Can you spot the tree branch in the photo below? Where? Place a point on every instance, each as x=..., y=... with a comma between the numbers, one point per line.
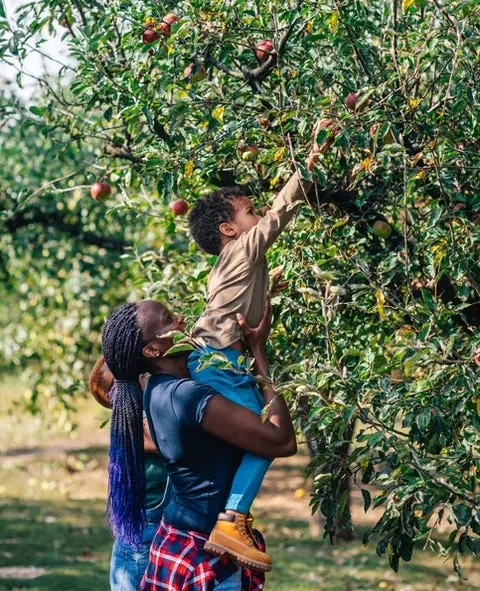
x=121, y=152
x=55, y=220
x=263, y=70
x=255, y=76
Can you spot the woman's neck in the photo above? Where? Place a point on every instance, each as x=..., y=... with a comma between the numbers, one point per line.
x=172, y=366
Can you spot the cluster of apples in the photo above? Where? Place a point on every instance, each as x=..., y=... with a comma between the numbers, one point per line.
x=356, y=103
x=154, y=30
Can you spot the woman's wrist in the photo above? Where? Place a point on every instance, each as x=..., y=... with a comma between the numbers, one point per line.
x=261, y=360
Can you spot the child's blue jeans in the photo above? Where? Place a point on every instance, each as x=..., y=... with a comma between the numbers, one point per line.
x=242, y=389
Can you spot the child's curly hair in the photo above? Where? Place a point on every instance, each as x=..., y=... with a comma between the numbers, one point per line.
x=208, y=213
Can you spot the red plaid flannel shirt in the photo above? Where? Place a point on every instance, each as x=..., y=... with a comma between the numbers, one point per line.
x=177, y=562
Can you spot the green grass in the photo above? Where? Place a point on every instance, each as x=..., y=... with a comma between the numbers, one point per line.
x=52, y=522
x=66, y=539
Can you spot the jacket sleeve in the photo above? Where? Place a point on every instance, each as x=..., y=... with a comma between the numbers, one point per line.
x=258, y=239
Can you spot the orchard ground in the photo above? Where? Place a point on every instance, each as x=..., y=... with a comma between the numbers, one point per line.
x=53, y=534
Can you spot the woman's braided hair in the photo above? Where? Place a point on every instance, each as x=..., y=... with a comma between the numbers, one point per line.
x=122, y=343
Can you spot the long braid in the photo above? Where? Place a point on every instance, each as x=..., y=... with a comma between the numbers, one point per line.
x=122, y=346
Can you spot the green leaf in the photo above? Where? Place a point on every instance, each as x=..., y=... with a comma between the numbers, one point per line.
x=40, y=111
x=368, y=473
x=327, y=507
x=180, y=348
x=457, y=568
x=462, y=513
x=367, y=499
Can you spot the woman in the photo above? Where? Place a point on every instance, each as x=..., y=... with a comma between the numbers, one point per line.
x=200, y=434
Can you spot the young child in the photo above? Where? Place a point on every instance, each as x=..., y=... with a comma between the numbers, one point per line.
x=225, y=223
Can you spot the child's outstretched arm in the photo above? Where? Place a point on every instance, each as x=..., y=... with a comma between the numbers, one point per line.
x=259, y=238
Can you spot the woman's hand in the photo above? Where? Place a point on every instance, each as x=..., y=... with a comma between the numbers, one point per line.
x=257, y=337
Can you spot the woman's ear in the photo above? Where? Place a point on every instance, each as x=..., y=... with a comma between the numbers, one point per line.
x=152, y=350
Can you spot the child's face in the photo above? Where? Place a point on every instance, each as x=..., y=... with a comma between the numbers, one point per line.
x=245, y=217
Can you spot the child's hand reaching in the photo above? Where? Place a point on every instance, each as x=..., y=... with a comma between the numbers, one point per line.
x=333, y=127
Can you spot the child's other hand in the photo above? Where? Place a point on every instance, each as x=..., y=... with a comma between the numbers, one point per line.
x=257, y=337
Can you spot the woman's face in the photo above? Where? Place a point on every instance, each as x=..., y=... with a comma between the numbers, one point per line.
x=156, y=320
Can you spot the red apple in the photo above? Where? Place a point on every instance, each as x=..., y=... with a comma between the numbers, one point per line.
x=195, y=73
x=179, y=207
x=351, y=101
x=170, y=18
x=263, y=49
x=382, y=229
x=164, y=29
x=100, y=190
x=150, y=36
x=263, y=121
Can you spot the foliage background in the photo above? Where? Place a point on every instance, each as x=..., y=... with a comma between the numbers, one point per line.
x=374, y=338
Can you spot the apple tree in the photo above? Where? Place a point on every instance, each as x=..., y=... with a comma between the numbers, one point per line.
x=377, y=322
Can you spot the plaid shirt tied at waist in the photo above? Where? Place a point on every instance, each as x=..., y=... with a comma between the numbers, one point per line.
x=178, y=562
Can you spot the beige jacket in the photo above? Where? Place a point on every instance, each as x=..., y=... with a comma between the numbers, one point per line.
x=238, y=281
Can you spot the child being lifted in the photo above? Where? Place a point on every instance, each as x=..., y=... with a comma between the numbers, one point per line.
x=225, y=223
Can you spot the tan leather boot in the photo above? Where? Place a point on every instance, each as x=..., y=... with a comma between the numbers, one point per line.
x=231, y=535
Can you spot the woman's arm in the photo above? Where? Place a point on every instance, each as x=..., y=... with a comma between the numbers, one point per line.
x=242, y=427
x=236, y=424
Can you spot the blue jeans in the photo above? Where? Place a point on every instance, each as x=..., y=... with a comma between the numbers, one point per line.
x=242, y=389
x=233, y=583
x=127, y=566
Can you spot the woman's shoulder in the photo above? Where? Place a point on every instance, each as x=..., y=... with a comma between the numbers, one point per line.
x=177, y=386
x=184, y=396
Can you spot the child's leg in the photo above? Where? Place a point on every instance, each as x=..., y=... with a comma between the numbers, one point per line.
x=241, y=389
x=231, y=534
x=247, y=482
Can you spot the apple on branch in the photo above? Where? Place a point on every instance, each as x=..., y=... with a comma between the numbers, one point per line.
x=100, y=191
x=355, y=102
x=179, y=207
x=150, y=36
x=263, y=50
x=382, y=229
x=163, y=28
x=170, y=18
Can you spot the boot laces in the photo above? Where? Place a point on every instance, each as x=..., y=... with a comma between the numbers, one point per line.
x=243, y=530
